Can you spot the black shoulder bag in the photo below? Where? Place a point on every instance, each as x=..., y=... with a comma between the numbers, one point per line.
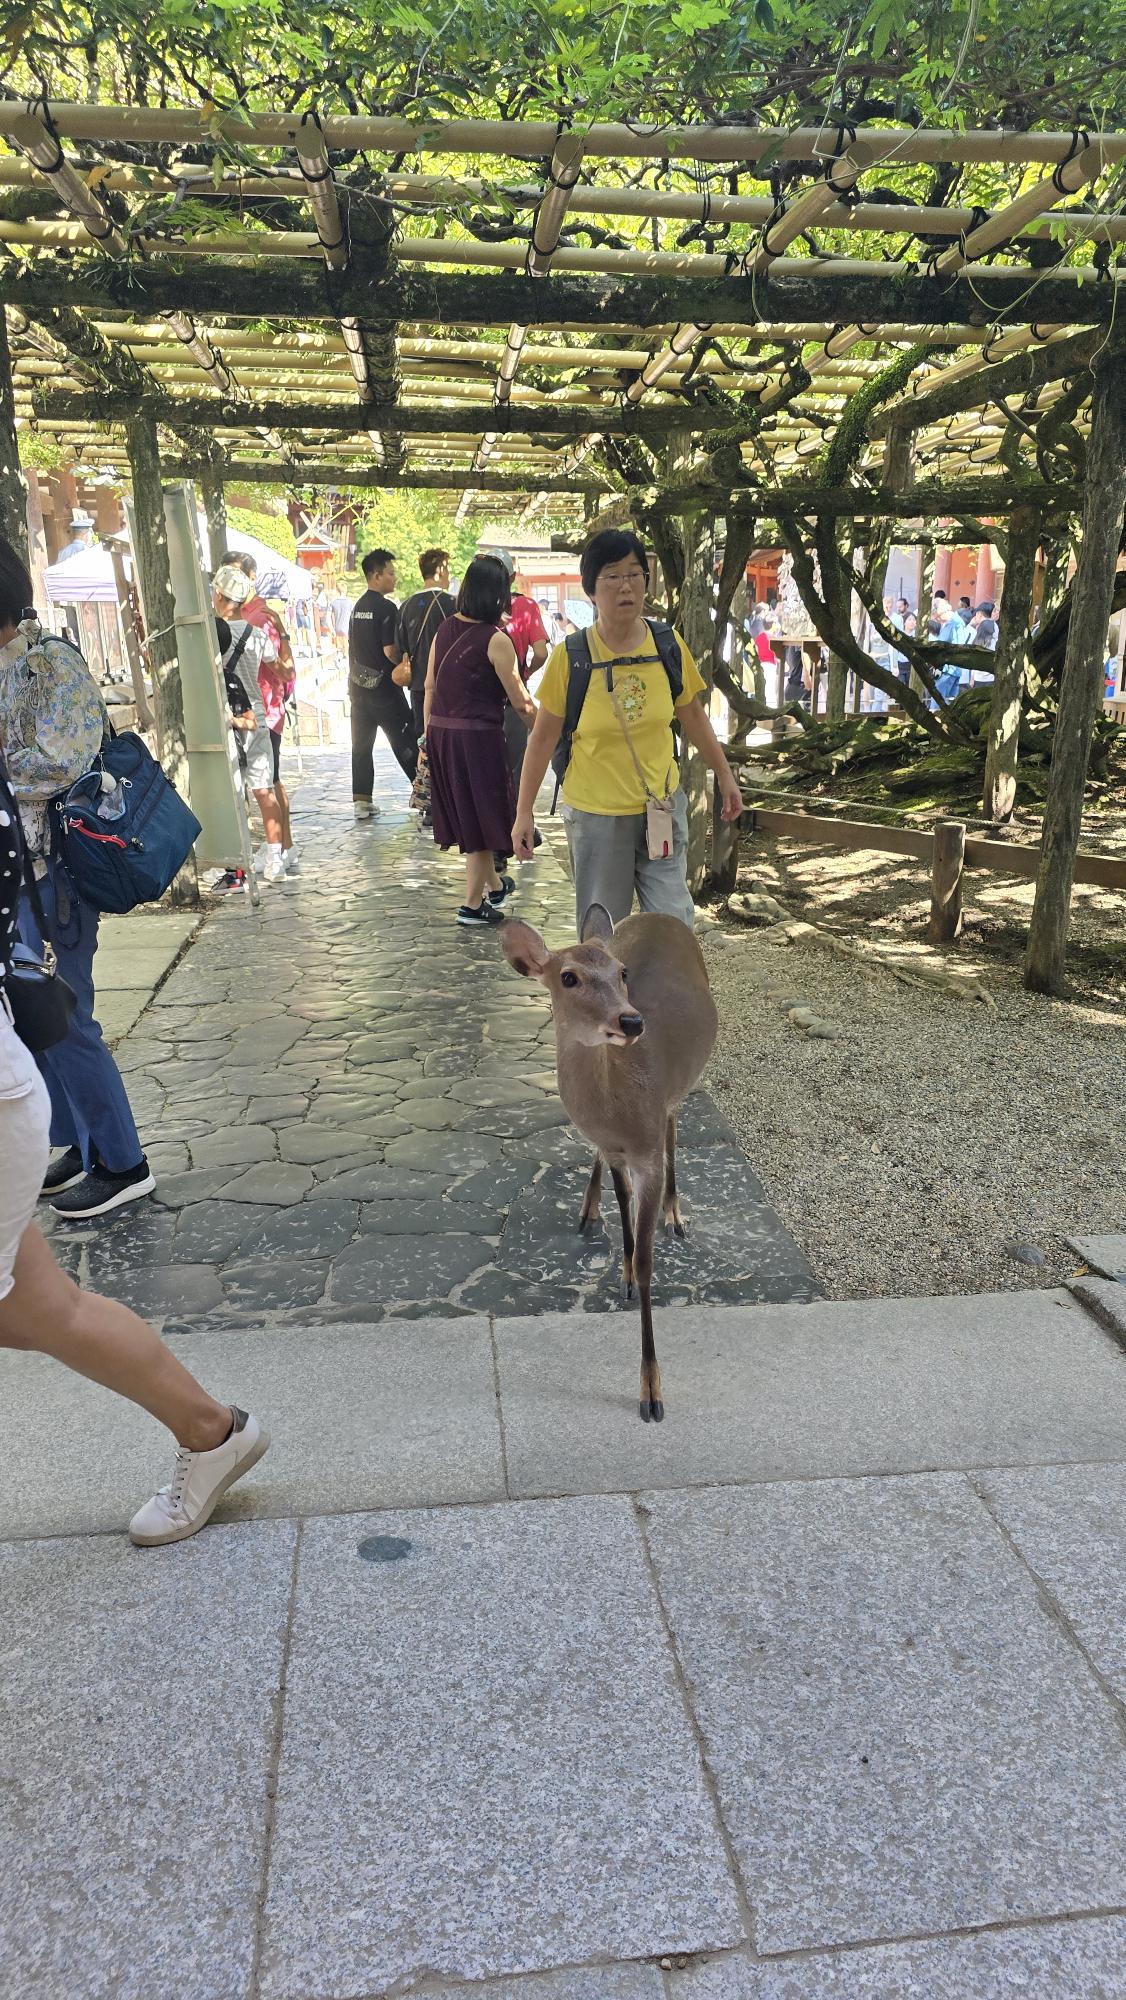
x=39, y=999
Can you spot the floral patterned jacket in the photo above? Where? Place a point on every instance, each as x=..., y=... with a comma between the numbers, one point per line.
x=53, y=723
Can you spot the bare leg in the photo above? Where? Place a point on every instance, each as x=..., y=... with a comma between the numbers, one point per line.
x=624, y=1193
x=282, y=797
x=480, y=874
x=275, y=823
x=592, y=1199
x=674, y=1221
x=648, y=1203
x=45, y=1313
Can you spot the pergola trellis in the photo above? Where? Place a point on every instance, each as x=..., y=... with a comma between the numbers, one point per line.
x=337, y=319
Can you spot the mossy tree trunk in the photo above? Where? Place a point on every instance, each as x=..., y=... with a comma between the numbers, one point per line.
x=1104, y=501
x=999, y=797
x=13, y=491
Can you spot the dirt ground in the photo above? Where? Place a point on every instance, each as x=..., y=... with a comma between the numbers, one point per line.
x=931, y=1143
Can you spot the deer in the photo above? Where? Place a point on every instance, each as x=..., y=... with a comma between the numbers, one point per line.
x=635, y=1023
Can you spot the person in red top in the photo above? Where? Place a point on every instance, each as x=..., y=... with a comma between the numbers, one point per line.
x=525, y=627
x=276, y=682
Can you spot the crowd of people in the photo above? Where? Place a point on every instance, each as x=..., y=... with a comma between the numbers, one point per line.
x=966, y=624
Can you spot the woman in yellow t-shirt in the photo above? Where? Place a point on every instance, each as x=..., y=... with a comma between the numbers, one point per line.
x=604, y=792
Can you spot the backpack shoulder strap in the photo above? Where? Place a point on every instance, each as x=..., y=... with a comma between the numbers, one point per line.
x=580, y=667
x=668, y=649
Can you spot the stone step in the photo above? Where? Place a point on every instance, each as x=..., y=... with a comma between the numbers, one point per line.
x=407, y=1414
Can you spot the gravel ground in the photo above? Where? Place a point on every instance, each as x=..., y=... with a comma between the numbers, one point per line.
x=937, y=1144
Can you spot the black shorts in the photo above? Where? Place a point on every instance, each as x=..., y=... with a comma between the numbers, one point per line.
x=276, y=743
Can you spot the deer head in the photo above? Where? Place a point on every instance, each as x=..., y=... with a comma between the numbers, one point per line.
x=588, y=984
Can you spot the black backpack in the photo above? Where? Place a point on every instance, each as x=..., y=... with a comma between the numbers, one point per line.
x=582, y=666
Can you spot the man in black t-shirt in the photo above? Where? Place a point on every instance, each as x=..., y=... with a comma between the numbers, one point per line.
x=377, y=703
x=419, y=619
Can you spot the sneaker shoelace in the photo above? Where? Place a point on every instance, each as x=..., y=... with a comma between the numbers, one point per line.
x=173, y=1493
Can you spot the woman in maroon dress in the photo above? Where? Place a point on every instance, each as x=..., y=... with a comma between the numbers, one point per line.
x=472, y=669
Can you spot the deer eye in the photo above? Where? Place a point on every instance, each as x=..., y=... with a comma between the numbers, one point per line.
x=625, y=975
x=569, y=979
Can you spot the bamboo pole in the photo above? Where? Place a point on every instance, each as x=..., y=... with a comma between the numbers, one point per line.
x=444, y=191
x=256, y=245
x=35, y=133
x=1000, y=227
x=316, y=172
x=535, y=139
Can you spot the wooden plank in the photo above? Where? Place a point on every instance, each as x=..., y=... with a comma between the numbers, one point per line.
x=1000, y=857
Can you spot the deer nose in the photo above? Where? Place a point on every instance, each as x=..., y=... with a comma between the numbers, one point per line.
x=631, y=1024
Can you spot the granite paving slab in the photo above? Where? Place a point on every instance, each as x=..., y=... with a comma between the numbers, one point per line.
x=132, y=1846
x=1082, y=1960
x=1069, y=1524
x=360, y=1416
x=1105, y=1254
x=775, y=1392
x=469, y=1784
x=903, y=1737
x=607, y=1982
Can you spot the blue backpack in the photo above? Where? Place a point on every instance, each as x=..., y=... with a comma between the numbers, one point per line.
x=130, y=851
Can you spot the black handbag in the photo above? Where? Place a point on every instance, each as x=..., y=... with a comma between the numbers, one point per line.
x=39, y=1000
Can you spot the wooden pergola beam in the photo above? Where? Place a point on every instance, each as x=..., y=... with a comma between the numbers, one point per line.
x=933, y=501
x=473, y=420
x=993, y=295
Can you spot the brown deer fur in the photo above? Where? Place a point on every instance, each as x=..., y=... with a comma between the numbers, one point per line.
x=635, y=1023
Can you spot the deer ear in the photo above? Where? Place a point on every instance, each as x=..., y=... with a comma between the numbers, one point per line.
x=524, y=949
x=597, y=923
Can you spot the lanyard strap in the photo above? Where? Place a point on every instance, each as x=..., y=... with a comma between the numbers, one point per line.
x=628, y=660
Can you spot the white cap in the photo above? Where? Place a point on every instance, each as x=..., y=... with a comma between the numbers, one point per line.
x=232, y=583
x=81, y=519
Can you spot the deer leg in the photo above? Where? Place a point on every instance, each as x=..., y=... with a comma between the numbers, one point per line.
x=624, y=1193
x=592, y=1200
x=674, y=1221
x=648, y=1203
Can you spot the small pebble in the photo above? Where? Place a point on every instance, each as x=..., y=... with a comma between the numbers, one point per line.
x=1024, y=1253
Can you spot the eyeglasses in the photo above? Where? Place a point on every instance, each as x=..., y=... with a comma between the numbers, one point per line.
x=631, y=576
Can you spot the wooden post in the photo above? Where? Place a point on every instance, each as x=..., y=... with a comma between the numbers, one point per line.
x=999, y=797
x=13, y=491
x=946, y=881
x=160, y=611
x=1104, y=499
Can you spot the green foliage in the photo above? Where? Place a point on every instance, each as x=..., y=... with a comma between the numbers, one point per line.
x=273, y=529
x=1025, y=62
x=408, y=522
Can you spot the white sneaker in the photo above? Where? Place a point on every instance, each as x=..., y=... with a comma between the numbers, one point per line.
x=261, y=859
x=199, y=1481
x=292, y=860
x=275, y=866
x=365, y=809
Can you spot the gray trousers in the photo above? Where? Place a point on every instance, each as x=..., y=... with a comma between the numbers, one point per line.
x=610, y=861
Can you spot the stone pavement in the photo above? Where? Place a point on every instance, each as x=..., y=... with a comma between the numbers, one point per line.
x=480, y=1689
x=350, y=1107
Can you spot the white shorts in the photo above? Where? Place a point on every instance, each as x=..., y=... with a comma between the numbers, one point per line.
x=25, y=1124
x=259, y=753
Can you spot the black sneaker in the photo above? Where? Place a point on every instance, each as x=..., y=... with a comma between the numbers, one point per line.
x=479, y=918
x=501, y=895
x=99, y=1191
x=65, y=1172
x=234, y=878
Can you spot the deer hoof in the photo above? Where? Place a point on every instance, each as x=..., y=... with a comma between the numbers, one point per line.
x=652, y=1411
x=675, y=1229
x=644, y=1409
